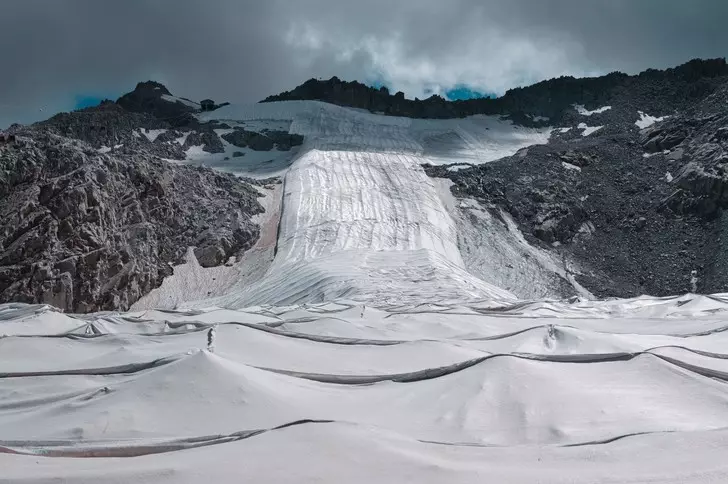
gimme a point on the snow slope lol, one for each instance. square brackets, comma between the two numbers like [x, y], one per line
[476, 139]
[380, 331]
[591, 390]
[361, 219]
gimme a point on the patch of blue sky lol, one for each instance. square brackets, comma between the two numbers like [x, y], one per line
[456, 93]
[377, 84]
[462, 93]
[82, 101]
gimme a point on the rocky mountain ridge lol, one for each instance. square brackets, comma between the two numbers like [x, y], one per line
[639, 206]
[92, 216]
[549, 99]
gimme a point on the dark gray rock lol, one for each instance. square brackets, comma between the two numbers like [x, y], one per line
[91, 218]
[266, 140]
[634, 224]
[249, 139]
[87, 231]
[653, 91]
[148, 98]
[208, 139]
[109, 125]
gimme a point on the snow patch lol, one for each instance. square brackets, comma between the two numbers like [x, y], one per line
[175, 99]
[587, 130]
[153, 134]
[585, 112]
[475, 139]
[646, 120]
[458, 167]
[182, 139]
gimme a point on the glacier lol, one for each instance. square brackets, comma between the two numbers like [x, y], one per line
[379, 331]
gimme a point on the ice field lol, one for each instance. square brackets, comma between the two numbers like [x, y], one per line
[374, 334]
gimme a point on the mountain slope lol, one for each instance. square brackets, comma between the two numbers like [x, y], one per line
[637, 204]
[87, 227]
[443, 327]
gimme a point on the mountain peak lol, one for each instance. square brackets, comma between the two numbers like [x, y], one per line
[154, 86]
[154, 98]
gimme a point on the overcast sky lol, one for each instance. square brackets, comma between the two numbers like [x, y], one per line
[54, 51]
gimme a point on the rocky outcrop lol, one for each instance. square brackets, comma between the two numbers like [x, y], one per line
[112, 127]
[149, 97]
[266, 140]
[699, 139]
[92, 217]
[88, 231]
[208, 139]
[661, 138]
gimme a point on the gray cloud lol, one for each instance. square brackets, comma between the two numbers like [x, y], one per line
[243, 50]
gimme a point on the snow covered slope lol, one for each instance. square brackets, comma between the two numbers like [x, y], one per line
[372, 335]
[584, 392]
[360, 217]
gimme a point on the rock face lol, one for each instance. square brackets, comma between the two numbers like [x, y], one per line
[266, 140]
[148, 98]
[209, 140]
[111, 126]
[641, 211]
[548, 99]
[700, 140]
[87, 229]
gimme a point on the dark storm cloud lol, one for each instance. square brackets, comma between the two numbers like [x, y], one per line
[55, 51]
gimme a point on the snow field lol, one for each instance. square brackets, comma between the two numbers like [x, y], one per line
[374, 322]
[454, 383]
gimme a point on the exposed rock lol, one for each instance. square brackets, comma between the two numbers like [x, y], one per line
[575, 158]
[552, 99]
[630, 227]
[662, 138]
[209, 105]
[249, 139]
[702, 192]
[112, 127]
[263, 141]
[208, 139]
[87, 231]
[283, 140]
[148, 98]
